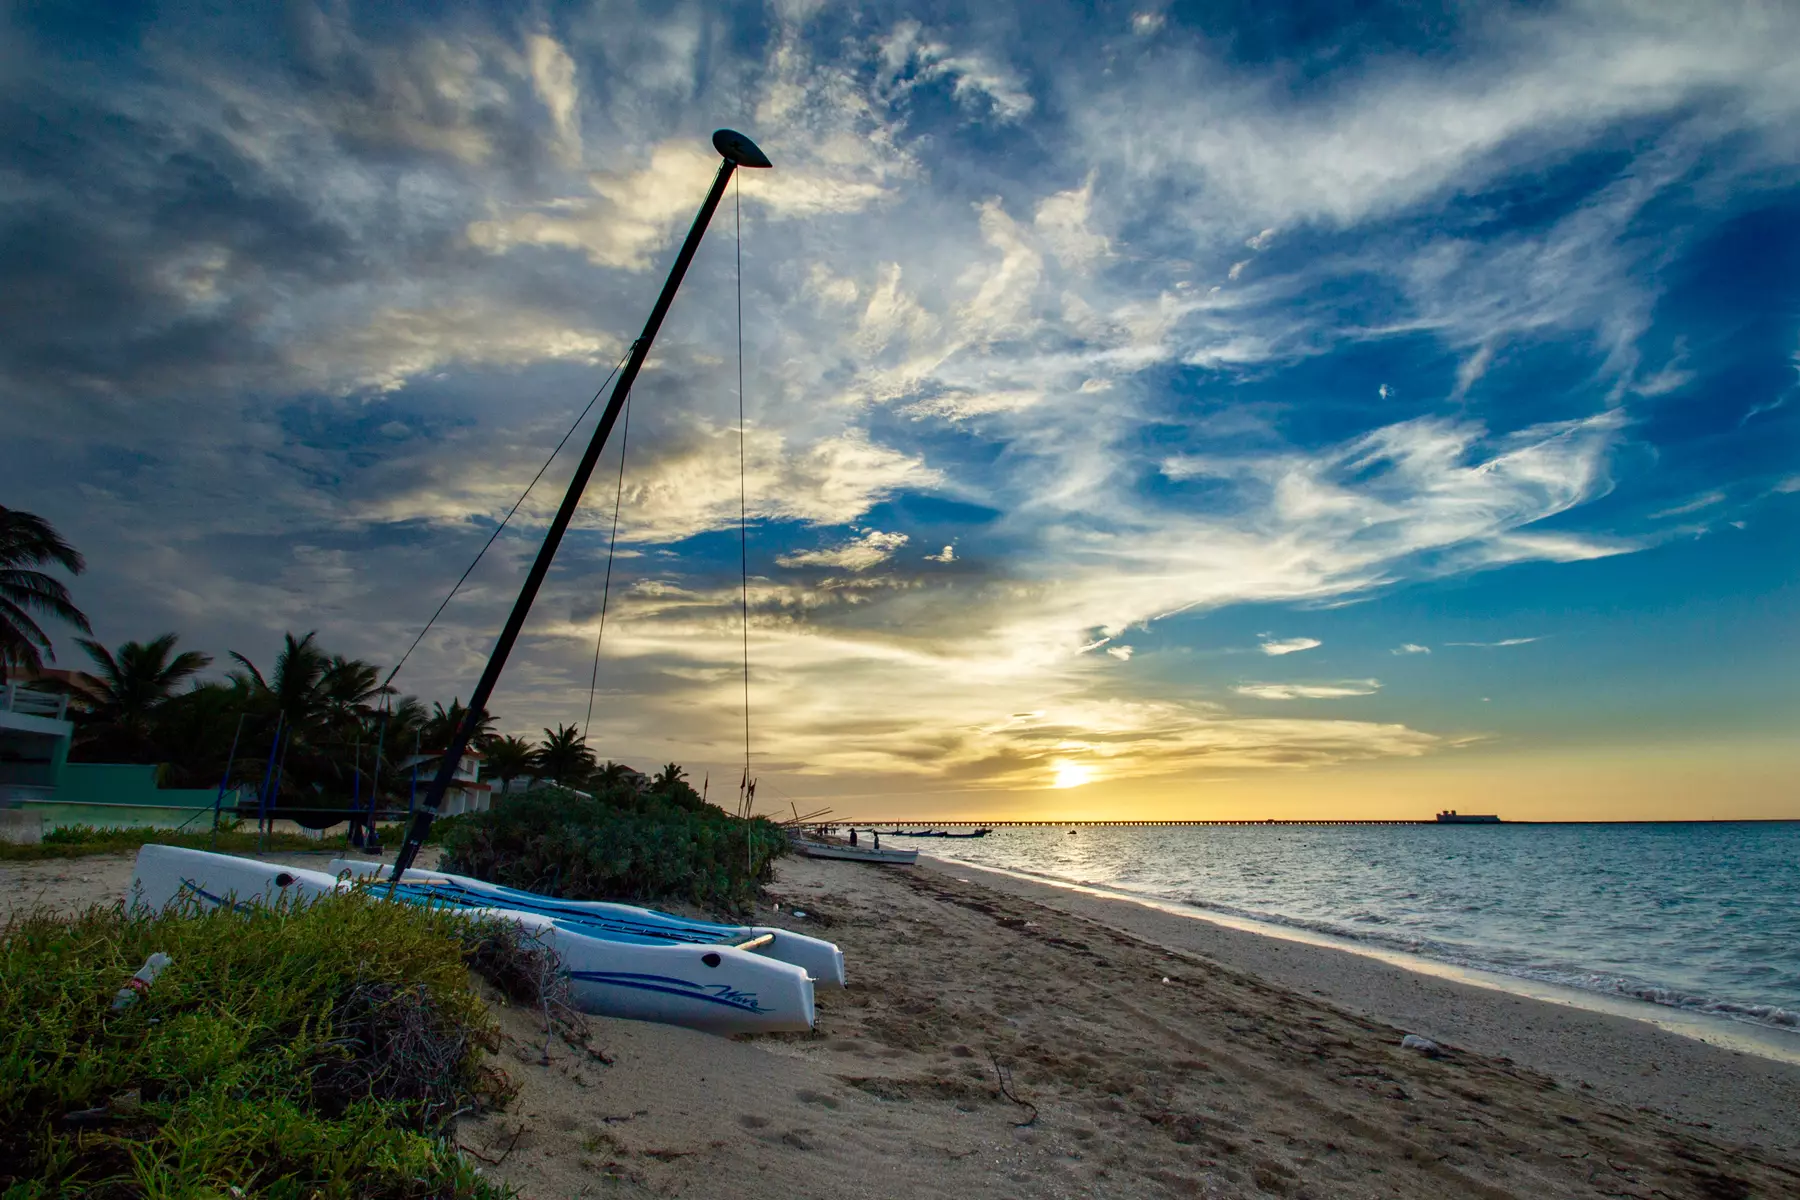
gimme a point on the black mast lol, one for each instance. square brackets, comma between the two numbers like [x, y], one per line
[737, 151]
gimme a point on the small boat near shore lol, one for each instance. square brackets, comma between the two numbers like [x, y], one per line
[718, 986]
[815, 848]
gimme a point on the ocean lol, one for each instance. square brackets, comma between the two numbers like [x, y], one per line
[1702, 917]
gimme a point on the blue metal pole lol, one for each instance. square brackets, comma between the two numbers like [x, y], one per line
[262, 794]
[226, 777]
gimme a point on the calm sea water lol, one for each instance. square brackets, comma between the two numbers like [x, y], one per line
[1703, 917]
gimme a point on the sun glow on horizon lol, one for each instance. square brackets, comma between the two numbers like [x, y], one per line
[1072, 774]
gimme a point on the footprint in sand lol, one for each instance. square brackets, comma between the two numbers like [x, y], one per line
[749, 1121]
[808, 1096]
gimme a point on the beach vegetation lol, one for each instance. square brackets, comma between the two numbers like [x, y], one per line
[618, 844]
[320, 1051]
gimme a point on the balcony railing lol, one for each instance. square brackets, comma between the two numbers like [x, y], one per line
[16, 698]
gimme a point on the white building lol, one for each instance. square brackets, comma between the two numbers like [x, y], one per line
[34, 746]
[466, 792]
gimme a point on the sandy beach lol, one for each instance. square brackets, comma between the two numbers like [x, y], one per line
[1146, 1054]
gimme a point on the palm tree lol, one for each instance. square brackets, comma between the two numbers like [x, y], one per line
[293, 690]
[444, 723]
[611, 775]
[131, 688]
[563, 756]
[349, 687]
[294, 697]
[27, 541]
[668, 777]
[508, 758]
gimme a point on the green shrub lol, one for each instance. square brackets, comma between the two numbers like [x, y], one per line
[317, 1052]
[619, 845]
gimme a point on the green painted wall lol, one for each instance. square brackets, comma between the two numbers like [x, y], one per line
[125, 783]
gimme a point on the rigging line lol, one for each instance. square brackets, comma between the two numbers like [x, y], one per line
[509, 516]
[743, 503]
[612, 544]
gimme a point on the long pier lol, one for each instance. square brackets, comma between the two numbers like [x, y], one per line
[939, 823]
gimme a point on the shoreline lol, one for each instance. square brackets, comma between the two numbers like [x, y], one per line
[1638, 1062]
[1716, 1029]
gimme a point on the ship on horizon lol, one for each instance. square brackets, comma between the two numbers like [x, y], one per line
[1451, 817]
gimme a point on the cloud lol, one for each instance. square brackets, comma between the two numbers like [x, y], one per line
[1309, 691]
[859, 554]
[947, 554]
[1063, 220]
[1290, 645]
[977, 81]
[1402, 129]
[1705, 500]
[553, 78]
[1522, 641]
[1122, 653]
[1411, 648]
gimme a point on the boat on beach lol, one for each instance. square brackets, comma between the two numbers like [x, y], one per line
[598, 918]
[719, 986]
[820, 848]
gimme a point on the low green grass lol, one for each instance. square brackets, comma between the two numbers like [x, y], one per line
[79, 841]
[314, 1053]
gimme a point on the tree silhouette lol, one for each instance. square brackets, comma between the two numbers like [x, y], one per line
[27, 541]
[563, 756]
[507, 758]
[129, 690]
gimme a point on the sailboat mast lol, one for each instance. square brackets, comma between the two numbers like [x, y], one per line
[735, 151]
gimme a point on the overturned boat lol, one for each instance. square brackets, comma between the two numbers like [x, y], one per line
[727, 985]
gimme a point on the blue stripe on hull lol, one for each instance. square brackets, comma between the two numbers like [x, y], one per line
[717, 993]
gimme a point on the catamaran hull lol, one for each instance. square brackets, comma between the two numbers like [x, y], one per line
[817, 957]
[716, 988]
[896, 858]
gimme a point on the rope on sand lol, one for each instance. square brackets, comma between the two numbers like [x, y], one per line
[1005, 1079]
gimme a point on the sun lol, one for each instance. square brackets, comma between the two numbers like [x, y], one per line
[1072, 774]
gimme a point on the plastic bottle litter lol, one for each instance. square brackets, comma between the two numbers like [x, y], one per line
[1425, 1046]
[140, 983]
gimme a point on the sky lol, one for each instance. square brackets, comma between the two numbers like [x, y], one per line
[1223, 410]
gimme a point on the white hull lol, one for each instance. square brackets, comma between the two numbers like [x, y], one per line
[817, 957]
[717, 988]
[867, 854]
